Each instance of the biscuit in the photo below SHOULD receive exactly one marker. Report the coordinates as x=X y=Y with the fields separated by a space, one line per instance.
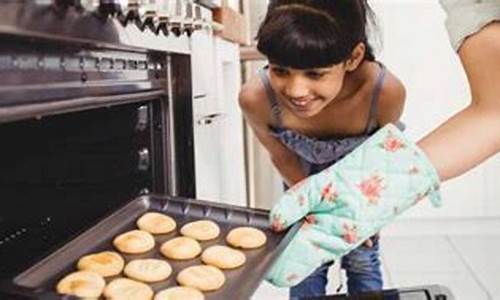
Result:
x=246 y=238
x=202 y=230
x=156 y=223
x=180 y=293
x=223 y=257
x=181 y=248
x=134 y=242
x=82 y=284
x=128 y=289
x=106 y=263
x=201 y=277
x=148 y=270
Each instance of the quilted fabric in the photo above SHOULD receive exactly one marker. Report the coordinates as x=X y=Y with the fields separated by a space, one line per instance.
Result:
x=350 y=201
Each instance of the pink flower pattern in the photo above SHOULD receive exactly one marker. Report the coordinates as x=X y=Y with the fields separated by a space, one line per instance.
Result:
x=302 y=200
x=278 y=224
x=392 y=144
x=350 y=234
x=309 y=221
x=292 y=277
x=329 y=193
x=372 y=188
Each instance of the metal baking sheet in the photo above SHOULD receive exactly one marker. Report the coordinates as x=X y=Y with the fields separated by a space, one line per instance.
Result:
x=39 y=281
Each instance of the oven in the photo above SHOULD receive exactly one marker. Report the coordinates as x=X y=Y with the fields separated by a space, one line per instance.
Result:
x=96 y=127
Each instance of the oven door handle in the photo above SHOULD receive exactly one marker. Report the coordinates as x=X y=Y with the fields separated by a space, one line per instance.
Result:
x=211 y=118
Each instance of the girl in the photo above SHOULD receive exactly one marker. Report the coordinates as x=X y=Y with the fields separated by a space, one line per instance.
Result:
x=321 y=95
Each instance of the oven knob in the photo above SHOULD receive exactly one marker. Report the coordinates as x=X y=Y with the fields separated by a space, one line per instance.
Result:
x=163 y=18
x=110 y=8
x=177 y=17
x=188 y=19
x=130 y=13
x=147 y=15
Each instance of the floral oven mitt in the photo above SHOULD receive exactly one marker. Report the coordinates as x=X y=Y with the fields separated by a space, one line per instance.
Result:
x=350 y=201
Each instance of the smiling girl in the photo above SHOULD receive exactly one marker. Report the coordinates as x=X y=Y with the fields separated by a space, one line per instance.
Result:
x=321 y=95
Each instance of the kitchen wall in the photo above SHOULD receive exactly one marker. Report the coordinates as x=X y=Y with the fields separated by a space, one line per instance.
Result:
x=415 y=47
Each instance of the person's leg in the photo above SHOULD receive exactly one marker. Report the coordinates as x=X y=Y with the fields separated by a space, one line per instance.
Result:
x=314 y=285
x=362 y=266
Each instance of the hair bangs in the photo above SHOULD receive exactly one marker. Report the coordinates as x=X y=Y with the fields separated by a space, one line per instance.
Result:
x=302 y=38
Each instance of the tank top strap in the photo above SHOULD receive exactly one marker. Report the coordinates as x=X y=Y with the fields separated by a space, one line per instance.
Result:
x=271 y=95
x=372 y=115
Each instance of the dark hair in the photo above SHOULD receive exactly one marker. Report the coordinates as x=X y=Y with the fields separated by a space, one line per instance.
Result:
x=307 y=34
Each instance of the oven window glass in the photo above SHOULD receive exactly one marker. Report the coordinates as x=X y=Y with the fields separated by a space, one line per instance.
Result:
x=59 y=175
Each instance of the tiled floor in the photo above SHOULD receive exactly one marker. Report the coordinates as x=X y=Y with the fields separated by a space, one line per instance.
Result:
x=462 y=255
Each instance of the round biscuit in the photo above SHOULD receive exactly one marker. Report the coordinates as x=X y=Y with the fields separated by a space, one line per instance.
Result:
x=180 y=293
x=82 y=284
x=223 y=257
x=156 y=223
x=134 y=242
x=202 y=230
x=148 y=270
x=106 y=263
x=128 y=289
x=181 y=248
x=202 y=277
x=246 y=237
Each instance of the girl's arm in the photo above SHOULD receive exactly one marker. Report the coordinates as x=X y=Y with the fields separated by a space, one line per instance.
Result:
x=256 y=114
x=473 y=134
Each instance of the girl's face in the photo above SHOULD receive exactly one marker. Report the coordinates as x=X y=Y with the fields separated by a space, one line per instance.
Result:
x=306 y=92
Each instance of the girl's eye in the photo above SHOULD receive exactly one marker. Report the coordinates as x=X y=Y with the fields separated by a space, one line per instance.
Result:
x=314 y=75
x=279 y=71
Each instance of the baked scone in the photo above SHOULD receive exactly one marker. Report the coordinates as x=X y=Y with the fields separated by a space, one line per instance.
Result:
x=82 y=284
x=202 y=230
x=128 y=289
x=156 y=223
x=201 y=277
x=181 y=248
x=106 y=263
x=148 y=270
x=180 y=293
x=134 y=242
x=246 y=237
x=223 y=257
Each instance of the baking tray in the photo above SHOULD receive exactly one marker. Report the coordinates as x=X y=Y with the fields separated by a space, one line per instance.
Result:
x=38 y=282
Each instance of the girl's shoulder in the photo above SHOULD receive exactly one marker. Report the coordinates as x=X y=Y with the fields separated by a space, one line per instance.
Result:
x=253 y=101
x=391 y=99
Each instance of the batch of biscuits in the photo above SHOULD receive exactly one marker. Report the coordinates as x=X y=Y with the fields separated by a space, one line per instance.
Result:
x=135 y=276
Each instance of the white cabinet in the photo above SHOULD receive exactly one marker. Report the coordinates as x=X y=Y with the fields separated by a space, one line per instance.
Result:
x=218 y=127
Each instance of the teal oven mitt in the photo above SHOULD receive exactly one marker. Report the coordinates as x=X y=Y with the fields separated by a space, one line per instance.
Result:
x=350 y=201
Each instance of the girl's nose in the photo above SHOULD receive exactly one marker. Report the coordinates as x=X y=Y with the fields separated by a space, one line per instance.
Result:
x=296 y=88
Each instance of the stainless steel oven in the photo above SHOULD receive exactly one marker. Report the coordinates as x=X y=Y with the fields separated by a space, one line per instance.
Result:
x=96 y=128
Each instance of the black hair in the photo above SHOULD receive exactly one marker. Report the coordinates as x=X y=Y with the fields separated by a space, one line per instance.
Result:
x=307 y=34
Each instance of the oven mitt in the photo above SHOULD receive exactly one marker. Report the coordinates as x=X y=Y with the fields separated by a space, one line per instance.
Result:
x=350 y=201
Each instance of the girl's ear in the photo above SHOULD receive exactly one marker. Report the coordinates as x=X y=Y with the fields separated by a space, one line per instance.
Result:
x=357 y=56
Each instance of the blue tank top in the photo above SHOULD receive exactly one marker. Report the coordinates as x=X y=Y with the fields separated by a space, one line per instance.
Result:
x=317 y=154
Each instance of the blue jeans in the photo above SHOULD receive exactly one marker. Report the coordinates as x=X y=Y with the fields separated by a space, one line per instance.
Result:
x=362 y=266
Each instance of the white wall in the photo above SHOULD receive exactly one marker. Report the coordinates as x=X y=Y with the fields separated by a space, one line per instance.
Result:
x=417 y=50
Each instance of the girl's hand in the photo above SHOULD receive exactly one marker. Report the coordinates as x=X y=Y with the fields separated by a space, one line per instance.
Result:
x=351 y=201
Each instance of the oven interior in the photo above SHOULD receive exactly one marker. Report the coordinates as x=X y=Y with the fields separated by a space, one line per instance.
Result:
x=62 y=173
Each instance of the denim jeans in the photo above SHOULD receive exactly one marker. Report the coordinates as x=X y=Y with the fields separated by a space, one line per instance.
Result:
x=362 y=266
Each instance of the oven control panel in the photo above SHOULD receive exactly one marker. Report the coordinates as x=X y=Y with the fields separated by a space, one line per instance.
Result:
x=149 y=24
